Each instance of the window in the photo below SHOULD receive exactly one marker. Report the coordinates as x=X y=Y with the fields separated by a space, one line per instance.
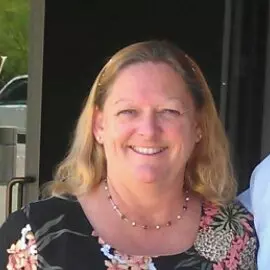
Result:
x=14 y=92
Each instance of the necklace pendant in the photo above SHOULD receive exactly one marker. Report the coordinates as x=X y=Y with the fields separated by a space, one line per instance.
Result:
x=157 y=227
x=169 y=223
x=122 y=216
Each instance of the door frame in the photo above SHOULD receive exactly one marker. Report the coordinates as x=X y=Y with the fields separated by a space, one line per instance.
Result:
x=34 y=98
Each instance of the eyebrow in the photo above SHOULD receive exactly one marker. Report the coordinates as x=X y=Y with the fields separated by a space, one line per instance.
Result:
x=122 y=100
x=130 y=100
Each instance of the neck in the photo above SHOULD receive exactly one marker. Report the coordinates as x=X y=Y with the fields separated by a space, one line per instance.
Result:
x=148 y=203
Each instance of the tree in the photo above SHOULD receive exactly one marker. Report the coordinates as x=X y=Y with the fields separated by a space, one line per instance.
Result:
x=14 y=24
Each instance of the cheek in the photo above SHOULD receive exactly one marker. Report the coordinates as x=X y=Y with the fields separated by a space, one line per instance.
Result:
x=183 y=133
x=116 y=132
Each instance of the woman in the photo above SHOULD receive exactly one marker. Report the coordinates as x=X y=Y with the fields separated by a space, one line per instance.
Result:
x=147 y=183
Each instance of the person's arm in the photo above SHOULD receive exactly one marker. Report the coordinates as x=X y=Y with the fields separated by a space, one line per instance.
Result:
x=260 y=187
x=10 y=233
x=260 y=198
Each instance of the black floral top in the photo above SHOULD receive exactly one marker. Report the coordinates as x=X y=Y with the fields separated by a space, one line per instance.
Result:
x=55 y=234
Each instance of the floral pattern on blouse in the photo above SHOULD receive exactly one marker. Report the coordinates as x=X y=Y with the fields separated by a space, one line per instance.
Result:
x=226 y=237
x=116 y=260
x=226 y=240
x=23 y=254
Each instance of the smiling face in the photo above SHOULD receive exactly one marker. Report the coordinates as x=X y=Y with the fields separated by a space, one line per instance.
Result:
x=148 y=124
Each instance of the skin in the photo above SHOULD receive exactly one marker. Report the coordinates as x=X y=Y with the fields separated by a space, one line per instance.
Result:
x=145 y=108
x=148 y=107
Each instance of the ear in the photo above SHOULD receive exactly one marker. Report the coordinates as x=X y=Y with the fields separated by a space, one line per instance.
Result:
x=98 y=126
x=198 y=134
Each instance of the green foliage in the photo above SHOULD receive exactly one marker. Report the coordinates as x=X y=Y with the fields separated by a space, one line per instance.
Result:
x=14 y=25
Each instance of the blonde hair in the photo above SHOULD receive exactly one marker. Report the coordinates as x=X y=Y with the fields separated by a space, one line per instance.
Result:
x=209 y=170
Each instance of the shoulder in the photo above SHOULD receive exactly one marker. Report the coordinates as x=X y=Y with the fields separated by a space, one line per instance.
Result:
x=258 y=195
x=260 y=186
x=262 y=171
x=227 y=233
x=58 y=204
x=232 y=212
x=35 y=225
x=62 y=212
x=263 y=166
x=52 y=206
x=36 y=214
x=231 y=219
x=13 y=225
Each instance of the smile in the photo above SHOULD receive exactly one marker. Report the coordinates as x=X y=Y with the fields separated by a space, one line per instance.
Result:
x=147 y=150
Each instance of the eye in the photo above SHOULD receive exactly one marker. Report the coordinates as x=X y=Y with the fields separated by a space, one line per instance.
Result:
x=126 y=112
x=171 y=112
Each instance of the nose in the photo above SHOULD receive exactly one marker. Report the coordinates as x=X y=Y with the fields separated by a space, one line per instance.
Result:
x=148 y=126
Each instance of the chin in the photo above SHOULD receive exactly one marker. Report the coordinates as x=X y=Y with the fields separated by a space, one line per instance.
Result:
x=147 y=176
x=146 y=180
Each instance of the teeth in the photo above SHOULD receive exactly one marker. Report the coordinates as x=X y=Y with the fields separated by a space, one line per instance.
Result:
x=146 y=150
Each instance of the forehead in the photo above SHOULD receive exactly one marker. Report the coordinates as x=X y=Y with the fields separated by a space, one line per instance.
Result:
x=148 y=80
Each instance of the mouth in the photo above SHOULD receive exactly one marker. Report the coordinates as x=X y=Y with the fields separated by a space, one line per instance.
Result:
x=148 y=150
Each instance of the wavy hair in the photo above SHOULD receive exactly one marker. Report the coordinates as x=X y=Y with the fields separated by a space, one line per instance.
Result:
x=209 y=171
